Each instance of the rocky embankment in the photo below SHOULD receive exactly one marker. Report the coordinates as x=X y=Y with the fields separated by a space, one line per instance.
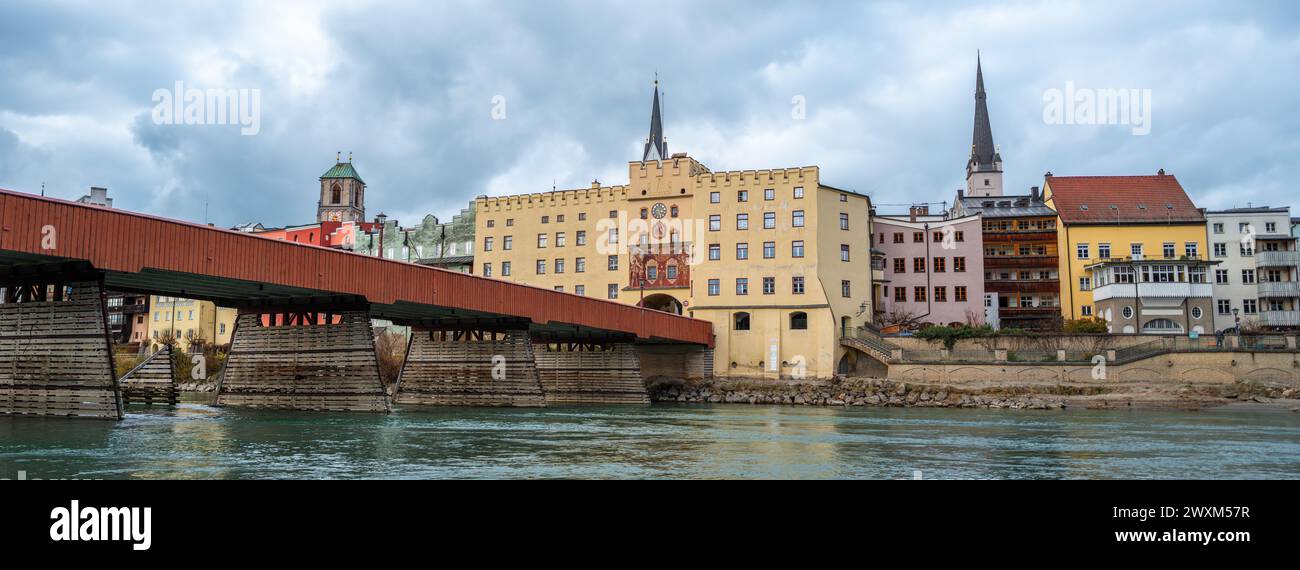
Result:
x=201 y=387
x=888 y=393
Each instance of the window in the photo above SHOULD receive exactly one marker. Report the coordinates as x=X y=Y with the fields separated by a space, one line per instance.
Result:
x=1125 y=274
x=959 y=293
x=541 y=267
x=1085 y=310
x=769 y=220
x=510 y=222
x=769 y=285
x=559 y=239
x=1103 y=251
x=645 y=213
x=491 y=223
x=918 y=237
x=742 y=221
x=505 y=268
x=941 y=294
x=1224 y=306
x=612 y=291
x=541 y=240
x=918 y=265
x=1220 y=250
x=674 y=211
x=742 y=286
x=715 y=288
x=742 y=196
x=898 y=237
x=796 y=285
x=959 y=264
x=715 y=252
x=580 y=265
x=558 y=288
x=1247 y=276
x=799 y=321
x=581 y=237
x=613 y=214
x=900 y=295
x=1162 y=326
x=844 y=197
x=652 y=272
x=844 y=252
x=846 y=289
x=1221 y=276
x=1085 y=283
x=546 y=219
x=798 y=192
x=959 y=237
x=1128 y=312
x=797 y=220
x=579 y=290
x=1135 y=249
x=1270 y=227
x=940 y=264
x=613 y=236
x=1192 y=250
x=769 y=194
x=487 y=269
x=1250 y=306
x=844 y=221
x=918 y=294
x=508 y=243
x=937 y=237
x=1168 y=249
x=672 y=270
x=740 y=321
x=1218 y=228
x=900 y=265
x=742 y=251
x=582 y=216
x=796 y=248
x=612 y=265
x=1247 y=249
x=715 y=223
x=715 y=197
x=487 y=244
x=559 y=219
x=1081 y=251
x=559 y=266
x=1197 y=313
x=769 y=249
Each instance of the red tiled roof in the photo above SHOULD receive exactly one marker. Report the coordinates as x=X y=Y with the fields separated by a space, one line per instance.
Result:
x=1139 y=199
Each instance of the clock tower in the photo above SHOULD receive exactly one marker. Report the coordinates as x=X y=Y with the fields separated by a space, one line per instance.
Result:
x=342 y=194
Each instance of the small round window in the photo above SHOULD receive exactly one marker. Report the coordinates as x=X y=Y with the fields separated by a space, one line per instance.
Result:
x=1197 y=312
x=1128 y=312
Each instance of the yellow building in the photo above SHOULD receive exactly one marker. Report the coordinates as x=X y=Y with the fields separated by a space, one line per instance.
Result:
x=777 y=260
x=1132 y=252
x=189 y=322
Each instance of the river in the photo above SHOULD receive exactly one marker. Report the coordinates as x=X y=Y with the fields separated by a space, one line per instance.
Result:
x=199 y=441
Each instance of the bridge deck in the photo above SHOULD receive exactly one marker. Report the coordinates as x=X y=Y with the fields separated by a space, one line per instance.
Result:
x=155 y=255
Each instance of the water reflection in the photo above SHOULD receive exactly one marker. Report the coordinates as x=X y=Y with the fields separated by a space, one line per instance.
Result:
x=197 y=440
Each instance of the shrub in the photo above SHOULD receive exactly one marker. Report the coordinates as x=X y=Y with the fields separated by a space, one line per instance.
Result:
x=1086 y=326
x=950 y=335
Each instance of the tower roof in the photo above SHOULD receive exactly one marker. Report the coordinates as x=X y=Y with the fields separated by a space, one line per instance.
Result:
x=343 y=170
x=656 y=147
x=983 y=154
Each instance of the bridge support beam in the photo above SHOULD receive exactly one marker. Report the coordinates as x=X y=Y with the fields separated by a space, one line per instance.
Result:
x=470 y=368
x=152 y=381
x=303 y=358
x=591 y=373
x=55 y=358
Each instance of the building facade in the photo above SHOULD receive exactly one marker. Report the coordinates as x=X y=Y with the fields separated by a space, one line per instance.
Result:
x=126 y=317
x=934 y=269
x=1133 y=253
x=449 y=245
x=777 y=260
x=1255 y=283
x=190 y=322
x=342 y=194
x=1021 y=261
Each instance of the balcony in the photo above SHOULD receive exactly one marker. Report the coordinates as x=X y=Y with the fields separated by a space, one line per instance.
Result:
x=1027 y=286
x=1277 y=258
x=1279 y=289
x=1020 y=262
x=1152 y=290
x=1279 y=318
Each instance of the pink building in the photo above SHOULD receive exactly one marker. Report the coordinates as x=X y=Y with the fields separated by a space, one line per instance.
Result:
x=934 y=269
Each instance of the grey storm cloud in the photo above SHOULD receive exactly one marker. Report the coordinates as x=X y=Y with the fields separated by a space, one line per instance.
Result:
x=409 y=88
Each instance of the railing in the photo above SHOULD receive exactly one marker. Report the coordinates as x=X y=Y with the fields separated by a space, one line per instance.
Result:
x=867 y=340
x=1277 y=258
x=1280 y=318
x=1022 y=286
x=1279 y=288
x=1020 y=261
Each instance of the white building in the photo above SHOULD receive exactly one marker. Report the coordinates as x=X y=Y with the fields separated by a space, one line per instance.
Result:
x=1257 y=281
x=97 y=196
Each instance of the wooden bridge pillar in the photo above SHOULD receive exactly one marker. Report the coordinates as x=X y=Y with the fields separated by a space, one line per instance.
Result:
x=469 y=368
x=55 y=358
x=152 y=381
x=591 y=373
x=318 y=359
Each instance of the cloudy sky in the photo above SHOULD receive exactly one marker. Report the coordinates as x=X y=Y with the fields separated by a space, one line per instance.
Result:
x=409 y=88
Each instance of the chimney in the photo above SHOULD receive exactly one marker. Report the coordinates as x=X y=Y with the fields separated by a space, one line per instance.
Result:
x=1033 y=193
x=595 y=184
x=961 y=193
x=1048 y=174
x=921 y=210
x=1161 y=172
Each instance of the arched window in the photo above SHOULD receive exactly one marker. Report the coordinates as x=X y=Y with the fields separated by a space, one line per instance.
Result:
x=336 y=194
x=1162 y=326
x=799 y=321
x=740 y=322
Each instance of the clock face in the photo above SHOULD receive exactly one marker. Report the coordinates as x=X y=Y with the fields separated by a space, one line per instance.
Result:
x=659 y=211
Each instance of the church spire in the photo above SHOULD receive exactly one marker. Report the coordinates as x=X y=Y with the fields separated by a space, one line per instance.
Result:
x=656 y=146
x=983 y=156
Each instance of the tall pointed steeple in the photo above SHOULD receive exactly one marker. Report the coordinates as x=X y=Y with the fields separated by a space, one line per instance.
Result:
x=984 y=169
x=656 y=146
